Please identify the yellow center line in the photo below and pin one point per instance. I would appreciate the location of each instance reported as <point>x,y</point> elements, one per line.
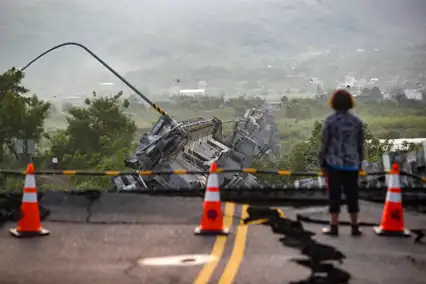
<point>237,252</point>
<point>218,248</point>
<point>257,222</point>
<point>280,212</point>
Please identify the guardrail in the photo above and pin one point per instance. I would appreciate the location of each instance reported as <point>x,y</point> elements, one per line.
<point>279,172</point>
<point>174,172</point>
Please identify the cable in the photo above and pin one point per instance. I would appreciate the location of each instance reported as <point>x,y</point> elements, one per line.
<point>156,107</point>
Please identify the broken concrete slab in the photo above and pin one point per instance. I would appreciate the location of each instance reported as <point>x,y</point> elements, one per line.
<point>66,207</point>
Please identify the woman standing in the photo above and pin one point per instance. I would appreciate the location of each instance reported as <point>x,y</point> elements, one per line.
<point>340,157</point>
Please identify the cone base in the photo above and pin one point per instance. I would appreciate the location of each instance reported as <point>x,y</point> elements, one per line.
<point>39,233</point>
<point>199,231</point>
<point>381,232</point>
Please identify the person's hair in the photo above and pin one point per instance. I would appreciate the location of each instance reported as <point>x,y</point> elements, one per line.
<point>341,100</point>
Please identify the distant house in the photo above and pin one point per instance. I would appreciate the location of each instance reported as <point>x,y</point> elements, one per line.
<point>192,92</point>
<point>413,94</point>
<point>374,81</point>
<point>387,96</point>
<point>275,105</point>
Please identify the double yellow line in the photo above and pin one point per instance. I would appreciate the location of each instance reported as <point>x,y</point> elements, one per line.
<point>237,255</point>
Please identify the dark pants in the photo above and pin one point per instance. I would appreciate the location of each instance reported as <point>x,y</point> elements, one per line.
<point>347,181</point>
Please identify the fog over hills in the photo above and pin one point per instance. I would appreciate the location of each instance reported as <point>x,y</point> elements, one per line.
<point>233,45</point>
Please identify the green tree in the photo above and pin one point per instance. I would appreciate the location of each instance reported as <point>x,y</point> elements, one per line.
<point>411,146</point>
<point>284,100</point>
<point>400,97</point>
<point>375,93</point>
<point>297,110</point>
<point>242,103</point>
<point>134,104</point>
<point>10,82</point>
<point>374,148</point>
<point>21,117</point>
<point>97,137</point>
<point>303,156</point>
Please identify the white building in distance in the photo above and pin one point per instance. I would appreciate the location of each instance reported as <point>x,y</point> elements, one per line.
<point>413,94</point>
<point>192,92</point>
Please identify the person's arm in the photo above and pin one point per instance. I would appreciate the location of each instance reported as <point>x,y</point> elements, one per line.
<point>325,138</point>
<point>361,145</point>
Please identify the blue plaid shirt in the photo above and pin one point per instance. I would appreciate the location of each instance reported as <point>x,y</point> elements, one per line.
<point>342,142</point>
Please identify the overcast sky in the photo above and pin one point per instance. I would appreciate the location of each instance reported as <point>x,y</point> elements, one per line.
<point>161,35</point>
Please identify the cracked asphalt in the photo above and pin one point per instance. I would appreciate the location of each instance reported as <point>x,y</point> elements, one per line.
<point>101,242</point>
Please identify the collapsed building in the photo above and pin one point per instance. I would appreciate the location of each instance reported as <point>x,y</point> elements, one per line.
<point>194,144</point>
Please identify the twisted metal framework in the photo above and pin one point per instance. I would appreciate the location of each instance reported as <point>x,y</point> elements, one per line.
<point>173,145</point>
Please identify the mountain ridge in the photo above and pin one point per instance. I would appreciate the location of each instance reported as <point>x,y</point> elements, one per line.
<point>223,42</point>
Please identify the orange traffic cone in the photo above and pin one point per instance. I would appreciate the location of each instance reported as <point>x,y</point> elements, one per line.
<point>393,215</point>
<point>29,224</point>
<point>212,219</point>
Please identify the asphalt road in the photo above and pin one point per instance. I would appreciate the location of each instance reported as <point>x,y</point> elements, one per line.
<point>115,239</point>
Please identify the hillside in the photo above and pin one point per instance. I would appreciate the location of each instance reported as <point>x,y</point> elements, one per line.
<point>237,45</point>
